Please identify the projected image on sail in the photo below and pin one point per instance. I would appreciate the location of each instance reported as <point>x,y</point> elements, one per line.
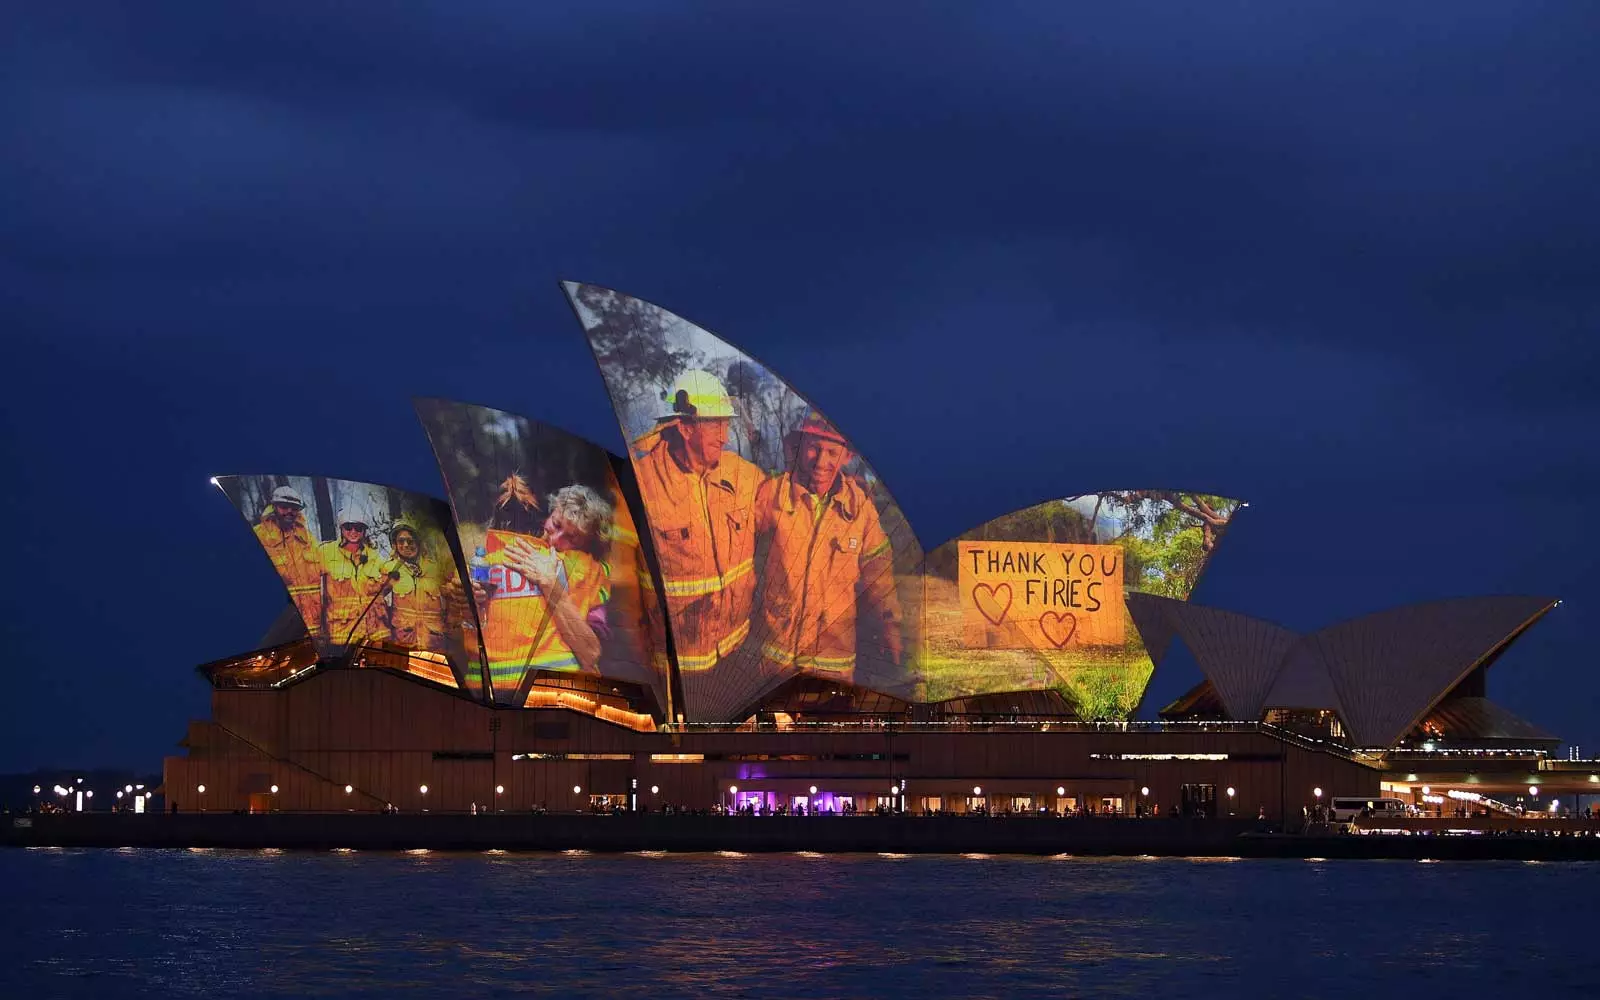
<point>1037,599</point>
<point>781,552</point>
<point>558,572</point>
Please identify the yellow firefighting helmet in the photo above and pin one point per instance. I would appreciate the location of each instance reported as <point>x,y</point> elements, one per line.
<point>697,393</point>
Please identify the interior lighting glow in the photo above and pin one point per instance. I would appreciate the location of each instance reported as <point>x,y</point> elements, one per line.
<point>733,789</point>
<point>127,788</point>
<point>1426,790</point>
<point>977,789</point>
<point>1061,790</point>
<point>1533,791</point>
<point>813,789</point>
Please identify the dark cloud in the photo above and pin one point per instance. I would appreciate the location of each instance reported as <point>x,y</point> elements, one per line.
<point>1338,258</point>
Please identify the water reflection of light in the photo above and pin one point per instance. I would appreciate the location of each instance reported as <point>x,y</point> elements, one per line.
<point>807,854</point>
<point>418,850</point>
<point>1427,861</point>
<point>199,850</point>
<point>651,854</point>
<point>1316,859</point>
<point>1060,857</point>
<point>891,855</point>
<point>1211,859</point>
<point>729,854</point>
<point>574,851</point>
<point>976,857</point>
<point>272,850</point>
<point>494,850</point>
<point>344,850</point>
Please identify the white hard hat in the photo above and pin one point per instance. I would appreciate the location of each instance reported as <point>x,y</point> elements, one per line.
<point>286,494</point>
<point>352,515</point>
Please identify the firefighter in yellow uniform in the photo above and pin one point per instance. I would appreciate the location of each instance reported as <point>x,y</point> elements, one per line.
<point>352,579</point>
<point>700,501</point>
<point>420,591</point>
<point>828,556</point>
<point>283,534</point>
<point>544,605</point>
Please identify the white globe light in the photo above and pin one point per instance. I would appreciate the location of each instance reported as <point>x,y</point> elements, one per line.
<point>274,789</point>
<point>813,789</point>
<point>1061,790</point>
<point>977,789</point>
<point>1144,790</point>
<point>128,788</point>
<point>1317,792</point>
<point>1230,791</point>
<point>655,789</point>
<point>1533,790</point>
<point>577,789</point>
<point>201,789</point>
<point>348,789</point>
<point>733,789</point>
<point>423,789</point>
<point>499,789</point>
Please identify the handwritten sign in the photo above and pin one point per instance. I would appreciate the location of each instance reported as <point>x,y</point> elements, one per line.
<point>1040,595</point>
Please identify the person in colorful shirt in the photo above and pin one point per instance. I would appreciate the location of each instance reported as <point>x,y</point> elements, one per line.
<point>544,605</point>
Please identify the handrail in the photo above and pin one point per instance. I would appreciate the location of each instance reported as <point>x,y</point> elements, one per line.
<point>296,764</point>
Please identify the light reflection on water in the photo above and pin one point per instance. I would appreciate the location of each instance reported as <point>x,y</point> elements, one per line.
<point>252,923</point>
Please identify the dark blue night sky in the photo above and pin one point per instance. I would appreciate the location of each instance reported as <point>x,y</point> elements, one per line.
<point>1339,259</point>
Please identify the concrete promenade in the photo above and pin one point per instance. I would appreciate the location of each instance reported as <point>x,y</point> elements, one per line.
<point>681,833</point>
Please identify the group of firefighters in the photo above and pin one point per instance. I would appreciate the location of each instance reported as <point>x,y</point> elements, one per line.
<point>548,573</point>
<point>348,592</point>
<point>827,559</point>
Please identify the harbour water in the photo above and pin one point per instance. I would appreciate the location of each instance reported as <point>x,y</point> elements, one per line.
<point>106,923</point>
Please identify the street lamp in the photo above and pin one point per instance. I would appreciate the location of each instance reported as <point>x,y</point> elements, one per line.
<point>813,789</point>
<point>1061,790</point>
<point>423,789</point>
<point>654,789</point>
<point>200,788</point>
<point>274,789</point>
<point>499,789</point>
<point>1533,791</point>
<point>1230,791</point>
<point>1317,792</point>
<point>349,788</point>
<point>1144,790</point>
<point>977,789</point>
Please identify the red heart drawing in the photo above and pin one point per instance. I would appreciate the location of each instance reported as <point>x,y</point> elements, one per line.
<point>986,597</point>
<point>1051,623</point>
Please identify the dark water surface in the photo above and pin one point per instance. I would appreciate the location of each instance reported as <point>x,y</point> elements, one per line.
<point>95,923</point>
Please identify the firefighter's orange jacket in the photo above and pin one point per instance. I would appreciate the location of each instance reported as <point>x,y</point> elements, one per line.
<point>350,582</point>
<point>703,527</point>
<point>421,597</point>
<point>294,556</point>
<point>818,568</point>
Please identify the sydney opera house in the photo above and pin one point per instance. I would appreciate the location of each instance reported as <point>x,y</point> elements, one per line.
<point>736,614</point>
